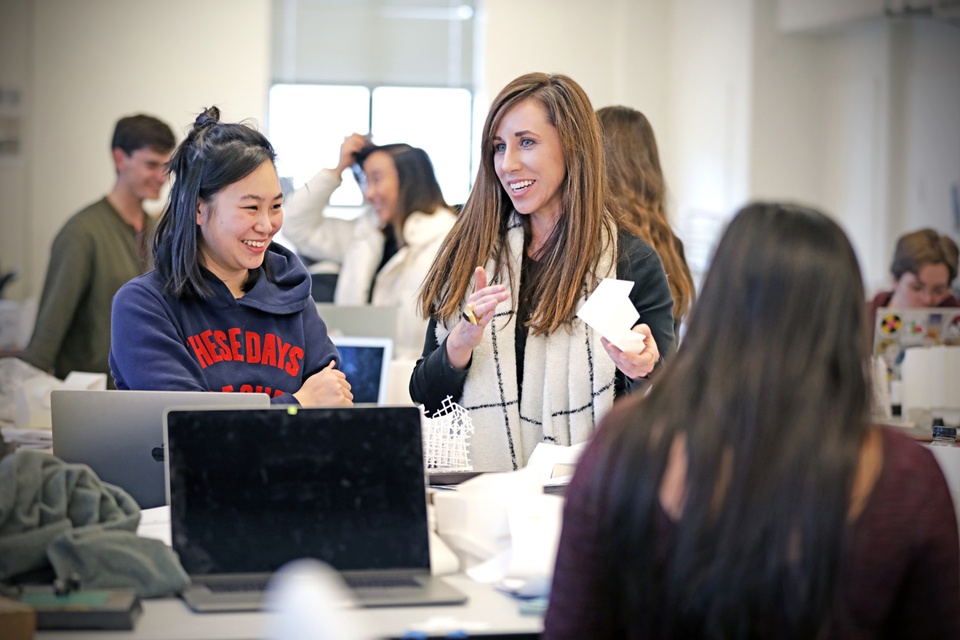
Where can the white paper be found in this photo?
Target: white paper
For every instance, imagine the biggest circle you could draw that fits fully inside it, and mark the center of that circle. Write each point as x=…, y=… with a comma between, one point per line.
x=610, y=313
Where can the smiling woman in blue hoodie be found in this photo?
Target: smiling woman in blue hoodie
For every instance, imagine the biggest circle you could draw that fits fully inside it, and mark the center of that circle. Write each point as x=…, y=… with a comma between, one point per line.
x=225, y=309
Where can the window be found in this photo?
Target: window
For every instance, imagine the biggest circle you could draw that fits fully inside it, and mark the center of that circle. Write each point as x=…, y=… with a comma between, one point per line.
x=307, y=124
x=402, y=70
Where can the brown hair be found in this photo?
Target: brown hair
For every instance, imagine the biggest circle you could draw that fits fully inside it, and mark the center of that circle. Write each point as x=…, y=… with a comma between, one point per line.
x=583, y=229
x=921, y=247
x=637, y=186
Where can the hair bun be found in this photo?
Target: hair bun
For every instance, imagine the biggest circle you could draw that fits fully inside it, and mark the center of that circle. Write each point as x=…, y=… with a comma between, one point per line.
x=209, y=117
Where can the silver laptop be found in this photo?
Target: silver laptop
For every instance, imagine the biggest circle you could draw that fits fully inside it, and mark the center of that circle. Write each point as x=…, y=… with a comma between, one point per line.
x=119, y=434
x=896, y=330
x=253, y=490
x=366, y=363
x=360, y=321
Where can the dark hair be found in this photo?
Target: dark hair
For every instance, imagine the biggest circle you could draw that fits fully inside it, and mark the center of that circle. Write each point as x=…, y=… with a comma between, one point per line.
x=769, y=396
x=582, y=233
x=639, y=191
x=418, y=186
x=142, y=131
x=925, y=246
x=213, y=156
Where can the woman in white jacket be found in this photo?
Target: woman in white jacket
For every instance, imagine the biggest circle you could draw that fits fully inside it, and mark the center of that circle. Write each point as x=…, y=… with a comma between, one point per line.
x=385, y=253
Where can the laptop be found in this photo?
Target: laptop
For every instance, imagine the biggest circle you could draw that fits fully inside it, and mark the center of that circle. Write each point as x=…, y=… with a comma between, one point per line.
x=360, y=321
x=119, y=434
x=897, y=330
x=253, y=490
x=366, y=363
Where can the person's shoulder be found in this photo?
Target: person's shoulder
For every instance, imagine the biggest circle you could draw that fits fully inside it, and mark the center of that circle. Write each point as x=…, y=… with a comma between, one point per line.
x=150, y=283
x=635, y=255
x=950, y=302
x=882, y=299
x=422, y=227
x=633, y=246
x=904, y=455
x=87, y=218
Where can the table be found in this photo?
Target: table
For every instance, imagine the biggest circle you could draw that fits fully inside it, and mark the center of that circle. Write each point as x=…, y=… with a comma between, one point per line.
x=487, y=613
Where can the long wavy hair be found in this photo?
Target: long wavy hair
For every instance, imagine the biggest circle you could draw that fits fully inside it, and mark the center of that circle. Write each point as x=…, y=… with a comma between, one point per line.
x=639, y=190
x=213, y=156
x=769, y=395
x=581, y=235
x=418, y=187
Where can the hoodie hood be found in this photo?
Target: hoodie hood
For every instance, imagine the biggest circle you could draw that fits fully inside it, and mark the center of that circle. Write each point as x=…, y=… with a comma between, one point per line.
x=290, y=292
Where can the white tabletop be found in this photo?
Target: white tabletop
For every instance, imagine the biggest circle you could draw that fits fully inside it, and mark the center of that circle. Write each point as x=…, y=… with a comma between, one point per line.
x=486, y=612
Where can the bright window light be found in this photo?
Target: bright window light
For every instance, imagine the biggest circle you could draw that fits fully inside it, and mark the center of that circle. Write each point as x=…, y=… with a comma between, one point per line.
x=307, y=125
x=436, y=120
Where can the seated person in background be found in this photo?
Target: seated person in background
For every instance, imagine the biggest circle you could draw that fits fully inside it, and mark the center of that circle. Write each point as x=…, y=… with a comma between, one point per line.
x=225, y=308
x=385, y=253
x=747, y=495
x=539, y=225
x=639, y=190
x=97, y=251
x=924, y=265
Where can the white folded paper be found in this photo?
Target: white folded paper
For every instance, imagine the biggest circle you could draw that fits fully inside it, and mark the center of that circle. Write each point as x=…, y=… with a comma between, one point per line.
x=610, y=312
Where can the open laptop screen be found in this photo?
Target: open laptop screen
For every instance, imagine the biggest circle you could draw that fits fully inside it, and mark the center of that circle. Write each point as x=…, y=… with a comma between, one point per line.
x=366, y=363
x=251, y=490
x=897, y=330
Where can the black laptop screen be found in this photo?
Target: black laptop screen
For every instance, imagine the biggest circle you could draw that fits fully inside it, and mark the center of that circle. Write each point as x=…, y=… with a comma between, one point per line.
x=252, y=490
x=363, y=366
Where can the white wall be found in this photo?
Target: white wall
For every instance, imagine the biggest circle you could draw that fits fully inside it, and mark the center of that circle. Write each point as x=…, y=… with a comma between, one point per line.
x=14, y=75
x=798, y=15
x=858, y=116
x=93, y=61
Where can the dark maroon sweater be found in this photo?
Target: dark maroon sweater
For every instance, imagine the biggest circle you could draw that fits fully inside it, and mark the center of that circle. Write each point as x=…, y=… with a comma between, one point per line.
x=900, y=576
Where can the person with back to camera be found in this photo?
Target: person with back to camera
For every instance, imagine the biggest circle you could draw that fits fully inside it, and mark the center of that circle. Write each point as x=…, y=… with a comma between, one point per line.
x=386, y=252
x=638, y=187
x=504, y=339
x=225, y=309
x=747, y=495
x=924, y=265
x=97, y=251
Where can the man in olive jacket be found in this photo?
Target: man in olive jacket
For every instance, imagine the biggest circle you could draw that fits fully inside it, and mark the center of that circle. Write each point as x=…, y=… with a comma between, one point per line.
x=98, y=250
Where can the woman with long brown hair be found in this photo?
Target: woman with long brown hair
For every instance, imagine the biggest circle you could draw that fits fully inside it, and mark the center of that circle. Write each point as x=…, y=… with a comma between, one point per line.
x=639, y=190
x=534, y=238
x=748, y=496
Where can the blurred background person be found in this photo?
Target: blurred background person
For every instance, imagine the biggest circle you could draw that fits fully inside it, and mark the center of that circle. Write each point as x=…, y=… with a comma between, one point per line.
x=98, y=250
x=639, y=191
x=385, y=253
x=747, y=495
x=924, y=265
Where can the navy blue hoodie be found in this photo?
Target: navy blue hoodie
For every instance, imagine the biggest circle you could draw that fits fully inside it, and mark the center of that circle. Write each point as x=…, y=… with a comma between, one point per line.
x=269, y=341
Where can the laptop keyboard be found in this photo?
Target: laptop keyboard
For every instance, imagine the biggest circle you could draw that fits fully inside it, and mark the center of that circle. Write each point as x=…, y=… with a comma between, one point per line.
x=374, y=582
x=238, y=587
x=354, y=582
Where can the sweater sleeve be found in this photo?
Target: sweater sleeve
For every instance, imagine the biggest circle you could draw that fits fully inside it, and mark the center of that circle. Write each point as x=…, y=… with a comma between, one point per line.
x=650, y=295
x=320, y=349
x=434, y=378
x=316, y=236
x=66, y=282
x=147, y=349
